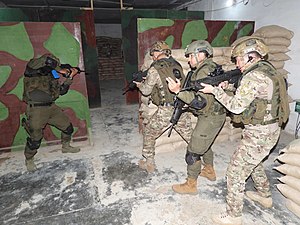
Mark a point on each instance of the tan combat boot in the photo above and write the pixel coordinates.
(147, 164)
(255, 196)
(226, 219)
(189, 187)
(208, 172)
(30, 165)
(67, 148)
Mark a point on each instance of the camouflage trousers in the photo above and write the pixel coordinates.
(158, 123)
(256, 143)
(203, 136)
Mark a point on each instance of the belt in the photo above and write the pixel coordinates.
(40, 104)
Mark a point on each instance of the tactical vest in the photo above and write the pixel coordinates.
(212, 106)
(40, 87)
(257, 110)
(166, 67)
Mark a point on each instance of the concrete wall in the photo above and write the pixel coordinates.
(265, 12)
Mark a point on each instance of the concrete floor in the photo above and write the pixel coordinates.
(102, 185)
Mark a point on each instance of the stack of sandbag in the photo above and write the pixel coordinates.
(278, 39)
(178, 54)
(290, 186)
(222, 56)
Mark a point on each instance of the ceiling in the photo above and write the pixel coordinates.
(105, 11)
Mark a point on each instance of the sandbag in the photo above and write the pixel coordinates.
(286, 169)
(283, 71)
(291, 181)
(278, 57)
(218, 51)
(273, 31)
(289, 193)
(290, 158)
(278, 41)
(168, 147)
(164, 139)
(221, 138)
(293, 207)
(292, 147)
(278, 49)
(227, 51)
(277, 64)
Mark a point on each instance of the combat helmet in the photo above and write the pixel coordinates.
(44, 60)
(160, 46)
(199, 46)
(247, 44)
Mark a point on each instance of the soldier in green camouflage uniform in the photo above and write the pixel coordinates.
(155, 86)
(256, 103)
(41, 89)
(210, 118)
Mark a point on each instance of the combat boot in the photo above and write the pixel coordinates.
(30, 165)
(226, 219)
(147, 164)
(255, 196)
(189, 187)
(67, 148)
(208, 172)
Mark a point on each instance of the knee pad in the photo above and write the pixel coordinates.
(191, 158)
(33, 145)
(69, 130)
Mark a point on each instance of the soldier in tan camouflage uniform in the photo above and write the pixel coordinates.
(258, 104)
(41, 89)
(210, 118)
(156, 88)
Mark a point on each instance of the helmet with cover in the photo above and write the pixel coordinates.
(160, 46)
(47, 60)
(248, 44)
(199, 46)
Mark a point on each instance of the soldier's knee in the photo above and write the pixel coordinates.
(32, 144)
(69, 130)
(191, 158)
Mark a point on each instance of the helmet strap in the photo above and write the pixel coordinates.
(195, 55)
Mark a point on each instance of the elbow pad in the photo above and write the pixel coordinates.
(198, 103)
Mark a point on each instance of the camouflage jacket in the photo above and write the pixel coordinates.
(253, 85)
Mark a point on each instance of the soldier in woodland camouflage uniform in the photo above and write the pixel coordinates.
(210, 118)
(257, 102)
(155, 86)
(41, 89)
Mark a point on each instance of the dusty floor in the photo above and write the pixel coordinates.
(102, 185)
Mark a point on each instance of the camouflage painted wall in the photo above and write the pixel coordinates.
(19, 42)
(130, 36)
(86, 19)
(180, 33)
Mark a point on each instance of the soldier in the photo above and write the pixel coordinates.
(156, 87)
(210, 118)
(41, 89)
(262, 106)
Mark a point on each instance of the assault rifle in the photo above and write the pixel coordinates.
(179, 108)
(68, 66)
(138, 77)
(215, 78)
(49, 69)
